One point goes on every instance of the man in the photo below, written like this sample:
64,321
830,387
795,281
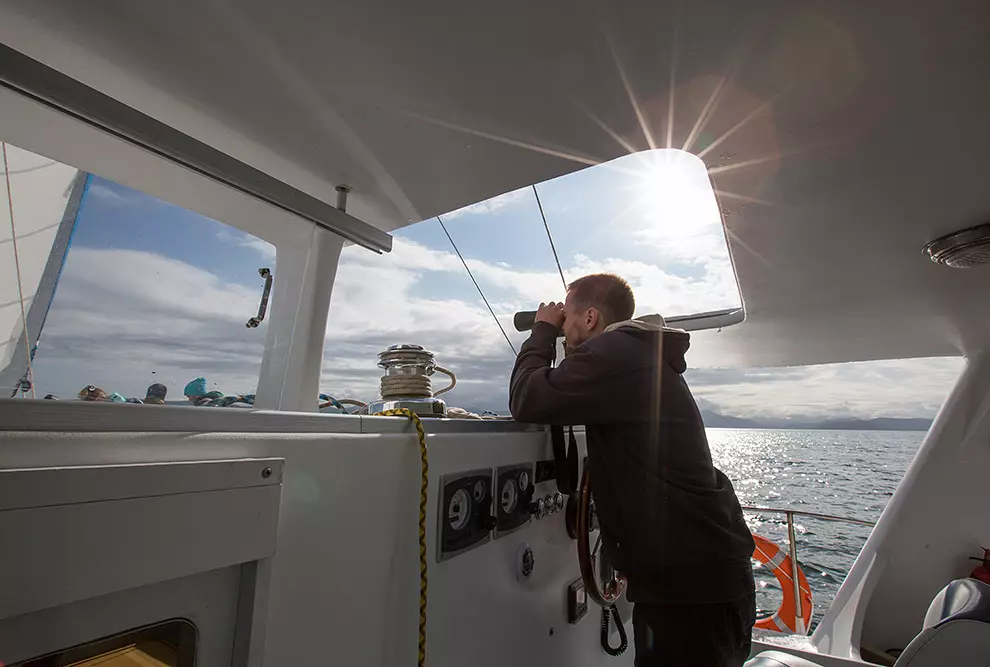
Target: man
156,394
92,393
197,394
671,522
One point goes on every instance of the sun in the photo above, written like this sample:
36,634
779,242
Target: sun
673,199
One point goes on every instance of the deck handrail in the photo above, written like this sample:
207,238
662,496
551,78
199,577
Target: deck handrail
817,515
792,547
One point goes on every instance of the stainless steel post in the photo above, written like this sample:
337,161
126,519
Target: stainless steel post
792,545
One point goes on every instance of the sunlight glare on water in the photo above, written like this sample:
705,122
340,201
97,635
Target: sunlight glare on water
843,473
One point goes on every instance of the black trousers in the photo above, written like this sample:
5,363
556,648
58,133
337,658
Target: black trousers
694,635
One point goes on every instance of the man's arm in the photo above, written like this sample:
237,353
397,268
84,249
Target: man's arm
572,393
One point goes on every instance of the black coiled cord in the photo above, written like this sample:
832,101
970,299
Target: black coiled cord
623,640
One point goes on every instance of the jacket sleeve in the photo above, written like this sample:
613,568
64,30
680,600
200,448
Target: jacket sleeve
573,393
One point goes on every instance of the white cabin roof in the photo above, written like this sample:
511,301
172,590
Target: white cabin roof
852,133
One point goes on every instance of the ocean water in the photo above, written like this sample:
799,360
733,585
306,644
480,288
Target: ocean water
843,473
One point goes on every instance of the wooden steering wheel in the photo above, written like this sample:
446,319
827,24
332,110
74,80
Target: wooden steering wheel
601,582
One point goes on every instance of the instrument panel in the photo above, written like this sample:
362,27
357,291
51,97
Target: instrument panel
477,506
465,518
514,485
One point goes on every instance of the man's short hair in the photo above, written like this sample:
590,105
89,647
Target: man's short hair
606,292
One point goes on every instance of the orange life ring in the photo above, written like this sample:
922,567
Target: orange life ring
785,619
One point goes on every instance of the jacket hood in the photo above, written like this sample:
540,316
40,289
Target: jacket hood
675,341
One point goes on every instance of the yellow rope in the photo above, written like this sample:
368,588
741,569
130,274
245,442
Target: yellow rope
424,484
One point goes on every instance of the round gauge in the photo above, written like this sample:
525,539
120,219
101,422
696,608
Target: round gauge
523,481
509,496
459,509
479,490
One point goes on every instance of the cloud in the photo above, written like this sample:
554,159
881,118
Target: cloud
895,388
656,289
112,197
377,303
124,318
243,240
493,205
660,291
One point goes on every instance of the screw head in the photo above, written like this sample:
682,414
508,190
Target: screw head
525,562
266,473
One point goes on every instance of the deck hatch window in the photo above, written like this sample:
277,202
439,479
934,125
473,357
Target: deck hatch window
122,291
651,217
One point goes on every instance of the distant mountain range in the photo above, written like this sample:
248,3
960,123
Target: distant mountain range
716,420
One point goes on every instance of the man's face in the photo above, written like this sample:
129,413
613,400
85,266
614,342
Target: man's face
578,322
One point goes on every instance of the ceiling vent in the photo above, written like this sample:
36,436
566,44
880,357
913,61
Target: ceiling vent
965,249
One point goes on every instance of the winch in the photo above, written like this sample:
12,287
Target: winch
408,383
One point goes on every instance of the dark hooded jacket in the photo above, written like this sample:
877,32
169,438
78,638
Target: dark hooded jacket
671,521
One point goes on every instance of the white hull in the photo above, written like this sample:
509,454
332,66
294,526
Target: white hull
330,554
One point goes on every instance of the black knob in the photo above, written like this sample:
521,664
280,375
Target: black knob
488,522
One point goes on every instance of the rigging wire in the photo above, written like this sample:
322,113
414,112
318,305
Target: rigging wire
29,169
17,265
550,237
477,286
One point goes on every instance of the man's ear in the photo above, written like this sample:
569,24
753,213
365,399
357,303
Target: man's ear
592,317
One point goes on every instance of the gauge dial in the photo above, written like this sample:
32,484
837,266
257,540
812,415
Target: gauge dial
459,509
479,490
509,496
523,481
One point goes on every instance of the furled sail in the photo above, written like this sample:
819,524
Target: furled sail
37,217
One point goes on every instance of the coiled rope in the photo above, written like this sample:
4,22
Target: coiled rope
414,386
423,488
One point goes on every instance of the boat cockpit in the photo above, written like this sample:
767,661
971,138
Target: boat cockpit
811,177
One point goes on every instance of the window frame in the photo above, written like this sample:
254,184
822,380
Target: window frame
178,632
306,254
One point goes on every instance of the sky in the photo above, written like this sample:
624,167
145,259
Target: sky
152,293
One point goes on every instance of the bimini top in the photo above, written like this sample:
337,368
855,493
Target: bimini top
840,137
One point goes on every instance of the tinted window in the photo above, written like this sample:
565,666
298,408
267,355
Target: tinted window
122,290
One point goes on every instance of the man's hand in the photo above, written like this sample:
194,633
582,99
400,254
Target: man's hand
552,313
